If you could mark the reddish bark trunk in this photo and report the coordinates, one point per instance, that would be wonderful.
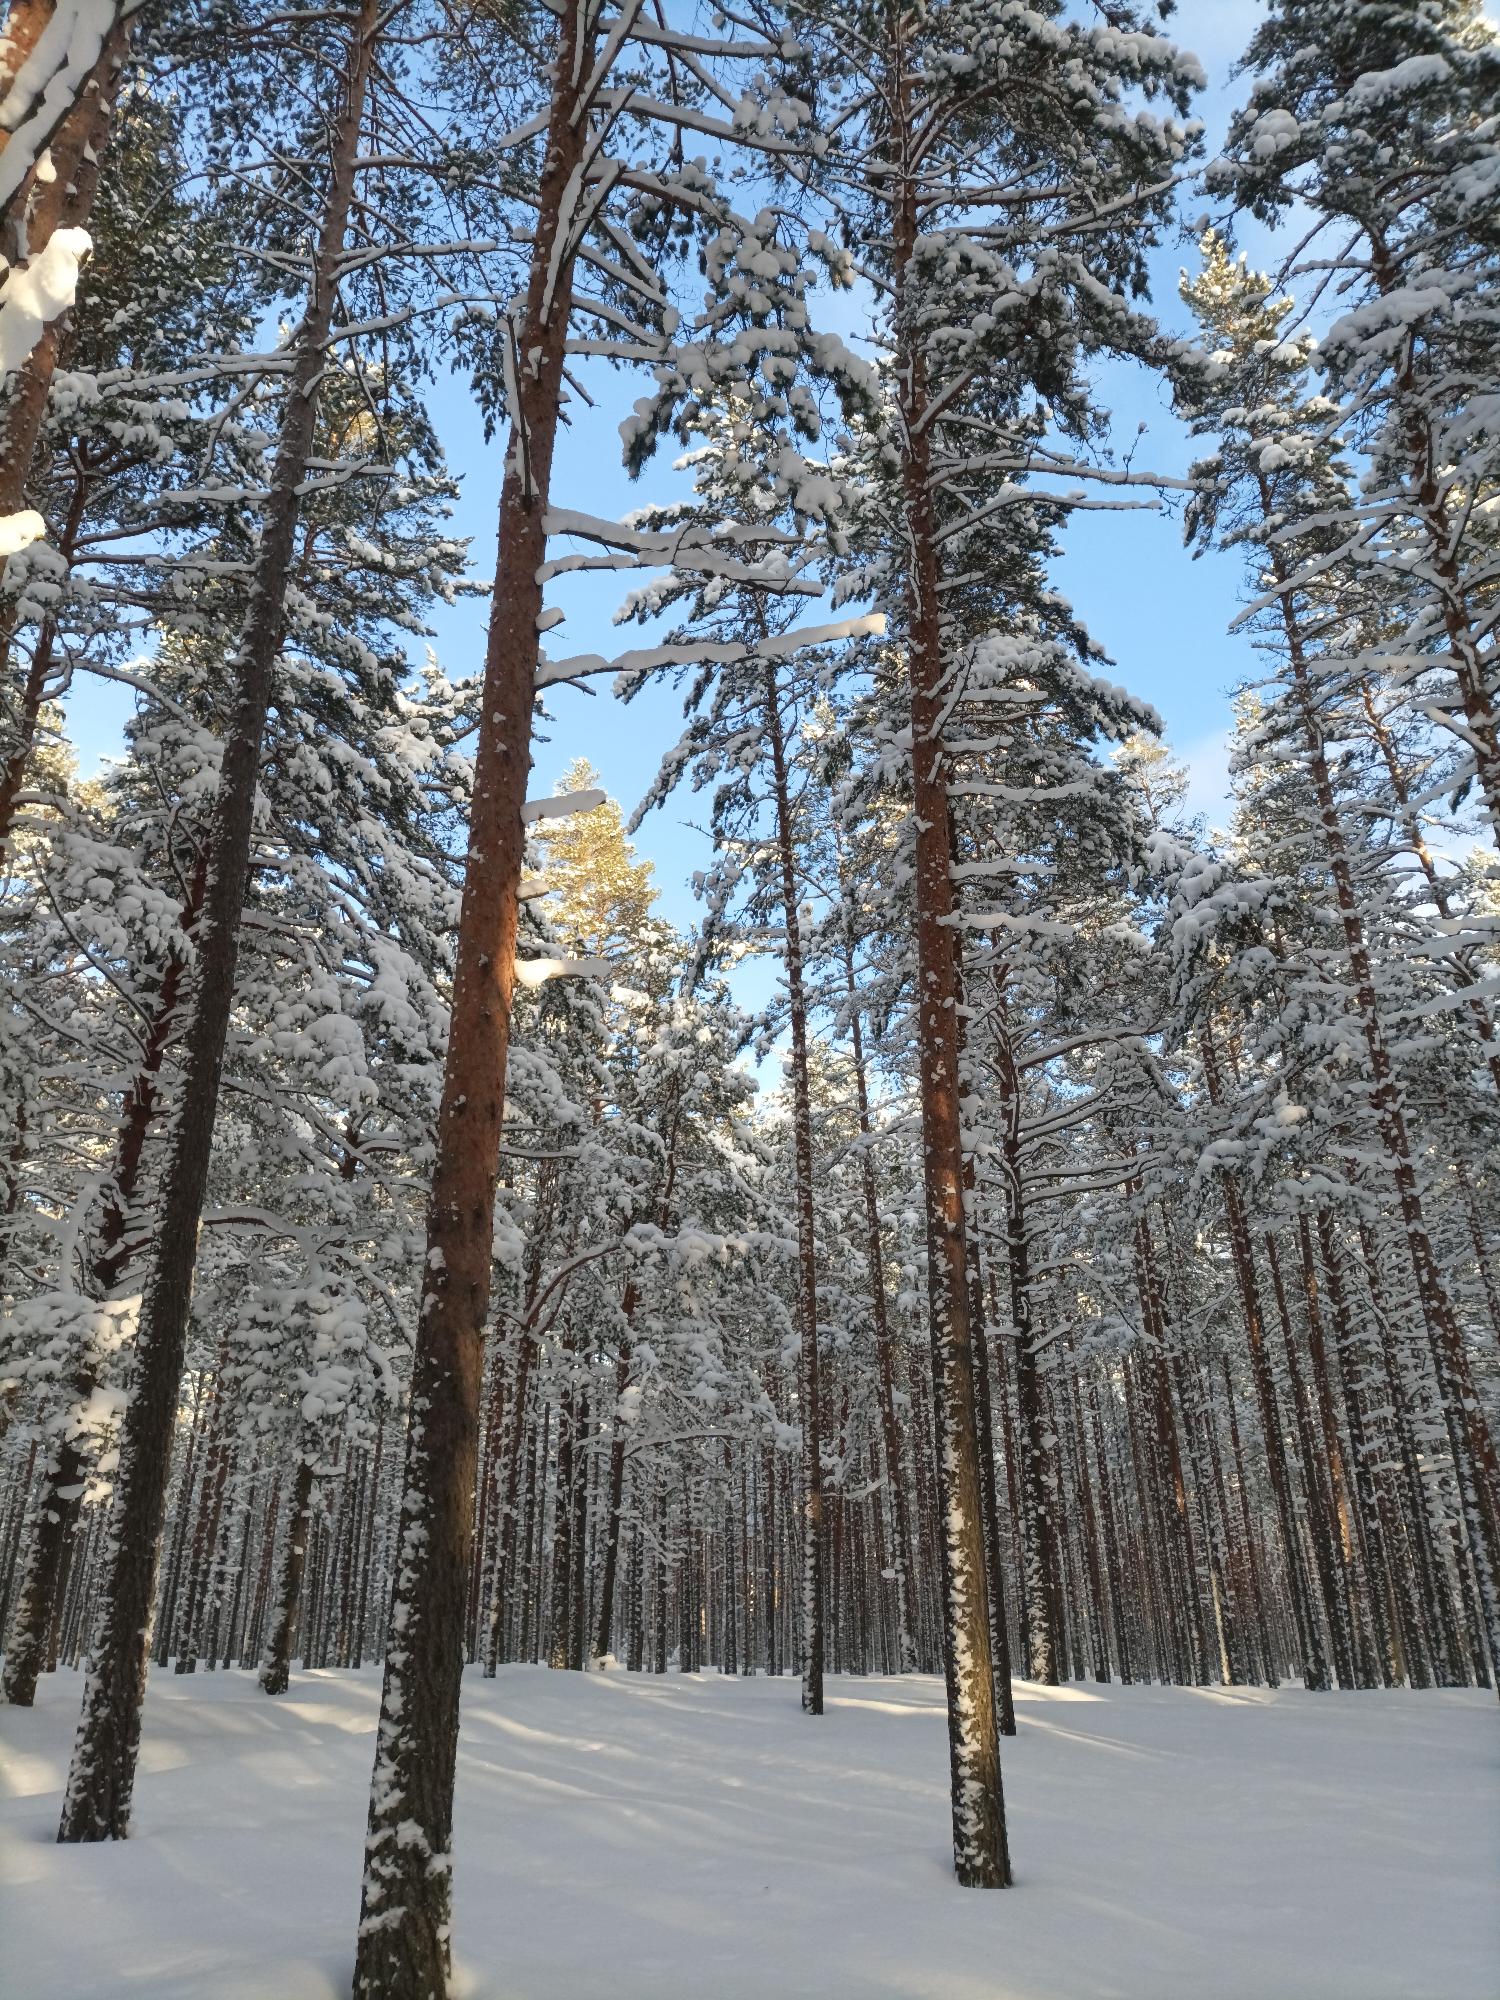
(980, 1848)
(403, 1941)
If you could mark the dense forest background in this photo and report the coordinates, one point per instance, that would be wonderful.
(1002, 1226)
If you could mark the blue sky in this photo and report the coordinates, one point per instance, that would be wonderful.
(1162, 616)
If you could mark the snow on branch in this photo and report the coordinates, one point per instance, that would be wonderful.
(535, 972)
(653, 659)
(560, 807)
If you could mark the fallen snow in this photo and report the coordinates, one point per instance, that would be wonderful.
(620, 1837)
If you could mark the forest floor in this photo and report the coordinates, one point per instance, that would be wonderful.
(622, 1837)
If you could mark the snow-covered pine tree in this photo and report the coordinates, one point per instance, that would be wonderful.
(746, 714)
(972, 195)
(1377, 121)
(1277, 488)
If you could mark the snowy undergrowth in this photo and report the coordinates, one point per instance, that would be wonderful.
(624, 1836)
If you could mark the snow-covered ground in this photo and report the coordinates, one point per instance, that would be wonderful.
(623, 1838)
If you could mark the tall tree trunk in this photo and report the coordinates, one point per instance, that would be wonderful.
(406, 1899)
(890, 1430)
(984, 1416)
(1164, 1422)
(66, 1467)
(1347, 1507)
(65, 201)
(1319, 1521)
(1123, 1653)
(96, 1804)
(807, 1293)
(980, 1848)
(1038, 1485)
(39, 209)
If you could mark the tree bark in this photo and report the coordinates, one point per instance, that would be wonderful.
(1038, 1484)
(276, 1667)
(807, 1264)
(980, 1849)
(890, 1429)
(64, 202)
(406, 1899)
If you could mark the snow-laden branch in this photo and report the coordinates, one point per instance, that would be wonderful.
(653, 659)
(534, 972)
(562, 806)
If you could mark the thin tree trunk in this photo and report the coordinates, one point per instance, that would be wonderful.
(604, 1632)
(890, 1430)
(984, 1413)
(1038, 1486)
(1320, 1526)
(807, 1294)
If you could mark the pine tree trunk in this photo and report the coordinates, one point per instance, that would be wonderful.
(1038, 1489)
(810, 1403)
(63, 202)
(406, 1901)
(980, 1848)
(1005, 1707)
(604, 1632)
(562, 1525)
(96, 1805)
(770, 1531)
(1320, 1526)
(206, 1531)
(63, 1473)
(276, 1667)
(1113, 1566)
(1177, 1524)
(520, 1436)
(66, 1467)
(166, 1633)
(361, 1612)
(890, 1430)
